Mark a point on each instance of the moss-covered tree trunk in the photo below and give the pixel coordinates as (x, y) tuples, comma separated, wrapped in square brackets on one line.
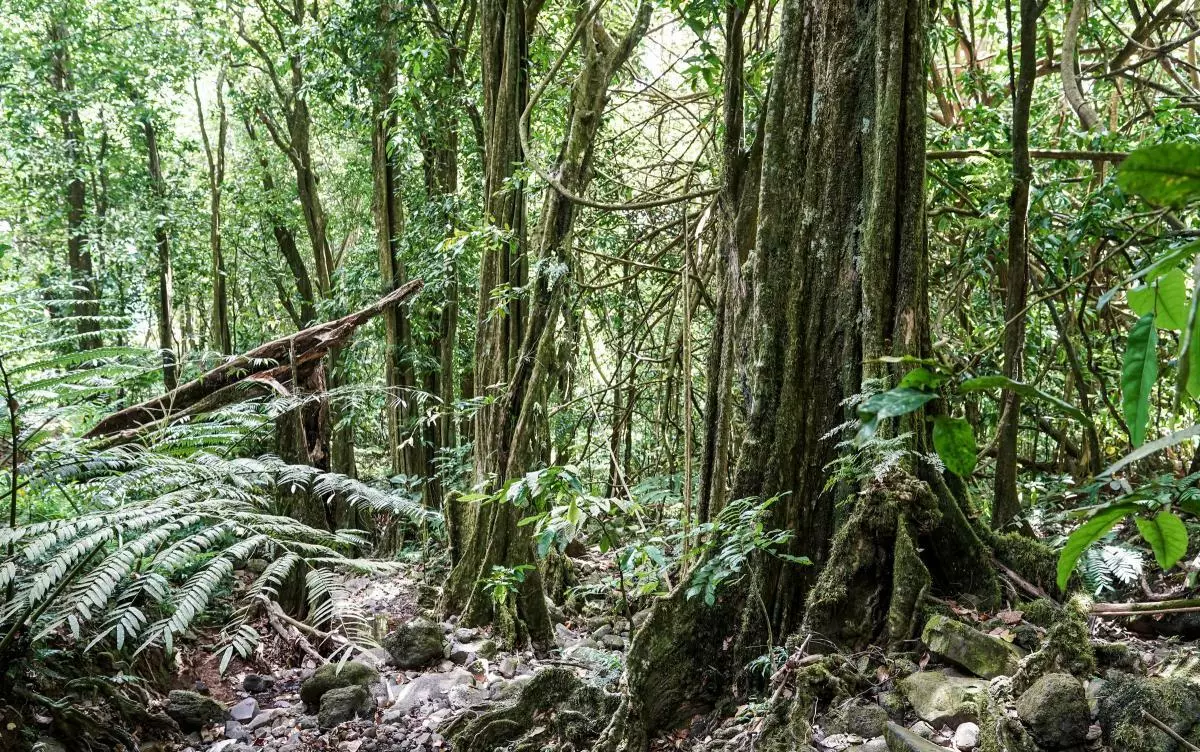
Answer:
[(839, 282), (526, 350)]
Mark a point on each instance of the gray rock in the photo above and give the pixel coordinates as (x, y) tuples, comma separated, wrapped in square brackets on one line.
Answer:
[(266, 718), (375, 657), (1055, 709), (466, 634), (981, 654), (461, 654), (941, 699), (192, 710), (225, 745), (236, 731), (508, 666), (333, 676), (878, 744), (427, 687), (867, 720), (921, 729), (966, 737), (613, 642), (342, 704), (48, 744), (900, 739), (415, 644), (465, 696), (244, 710), (566, 638)]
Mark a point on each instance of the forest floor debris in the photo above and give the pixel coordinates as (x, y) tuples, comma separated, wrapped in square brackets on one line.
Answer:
[(1144, 695)]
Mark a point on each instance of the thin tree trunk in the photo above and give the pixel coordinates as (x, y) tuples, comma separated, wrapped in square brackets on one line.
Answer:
[(523, 350), (1006, 504), (79, 256), (215, 157), (162, 245)]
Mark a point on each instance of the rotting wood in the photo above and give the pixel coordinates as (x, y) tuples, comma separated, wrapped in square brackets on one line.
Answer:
[(270, 364)]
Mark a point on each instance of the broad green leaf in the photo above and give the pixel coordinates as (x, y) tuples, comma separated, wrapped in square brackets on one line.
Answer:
[(890, 404), (1166, 297), (996, 381), (1138, 376), (1167, 537), (1187, 373), (1160, 266), (1085, 535), (1166, 174), (955, 444)]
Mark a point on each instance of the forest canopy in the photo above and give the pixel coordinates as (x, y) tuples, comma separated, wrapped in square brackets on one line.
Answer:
[(609, 374)]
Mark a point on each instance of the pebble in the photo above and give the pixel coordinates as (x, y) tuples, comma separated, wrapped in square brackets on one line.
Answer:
[(922, 729), (966, 736)]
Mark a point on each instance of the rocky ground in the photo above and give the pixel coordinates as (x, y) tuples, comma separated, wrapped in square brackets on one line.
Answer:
[(989, 682)]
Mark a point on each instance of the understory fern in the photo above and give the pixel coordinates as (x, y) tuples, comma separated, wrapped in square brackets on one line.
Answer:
[(1103, 567), (131, 545)]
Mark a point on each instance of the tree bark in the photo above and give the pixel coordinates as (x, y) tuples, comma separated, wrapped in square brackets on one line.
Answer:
[(162, 245), (215, 158), (1006, 504), (523, 350), (737, 204), (839, 283), (389, 226), (272, 364), (86, 293)]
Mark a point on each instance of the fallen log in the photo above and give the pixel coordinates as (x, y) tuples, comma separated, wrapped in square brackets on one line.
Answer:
[(268, 367), (1182, 605)]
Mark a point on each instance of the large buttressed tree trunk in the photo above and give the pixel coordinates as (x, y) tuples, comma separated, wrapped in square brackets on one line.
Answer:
[(840, 282)]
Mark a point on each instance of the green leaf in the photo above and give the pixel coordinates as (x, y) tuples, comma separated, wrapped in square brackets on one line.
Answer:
[(1166, 297), (1160, 266), (1087, 534), (1166, 174), (1138, 376), (997, 381), (922, 378), (954, 441), (890, 404), (1167, 537)]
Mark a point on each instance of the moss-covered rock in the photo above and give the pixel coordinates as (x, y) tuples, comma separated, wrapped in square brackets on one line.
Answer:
[(999, 728), (1117, 655), (939, 698), (866, 719), (1067, 647), (981, 654), (329, 677), (192, 710), (343, 704), (1175, 702), (1055, 710), (415, 644), (554, 710)]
